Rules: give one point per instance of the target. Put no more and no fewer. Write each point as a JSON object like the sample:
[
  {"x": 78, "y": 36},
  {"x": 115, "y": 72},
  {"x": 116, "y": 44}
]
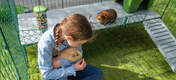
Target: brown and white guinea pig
[
  {"x": 72, "y": 54},
  {"x": 106, "y": 16}
]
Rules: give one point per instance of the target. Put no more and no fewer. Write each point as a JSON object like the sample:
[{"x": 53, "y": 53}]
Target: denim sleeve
[
  {"x": 80, "y": 49},
  {"x": 46, "y": 48}
]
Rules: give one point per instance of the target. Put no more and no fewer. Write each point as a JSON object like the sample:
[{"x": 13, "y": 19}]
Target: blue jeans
[{"x": 89, "y": 73}]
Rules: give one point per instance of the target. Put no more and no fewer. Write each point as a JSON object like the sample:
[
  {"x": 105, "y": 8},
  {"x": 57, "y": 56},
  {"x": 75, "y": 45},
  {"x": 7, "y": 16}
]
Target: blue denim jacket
[{"x": 46, "y": 49}]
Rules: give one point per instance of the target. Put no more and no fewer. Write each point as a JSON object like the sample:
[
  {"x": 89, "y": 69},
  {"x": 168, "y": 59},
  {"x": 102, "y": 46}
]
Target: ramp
[{"x": 163, "y": 39}]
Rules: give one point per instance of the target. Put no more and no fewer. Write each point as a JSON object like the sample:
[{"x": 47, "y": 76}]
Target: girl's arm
[{"x": 45, "y": 52}]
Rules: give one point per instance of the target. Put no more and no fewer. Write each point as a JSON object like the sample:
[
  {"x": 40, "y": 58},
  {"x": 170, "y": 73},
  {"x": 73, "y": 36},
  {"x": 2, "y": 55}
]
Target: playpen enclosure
[{"x": 13, "y": 63}]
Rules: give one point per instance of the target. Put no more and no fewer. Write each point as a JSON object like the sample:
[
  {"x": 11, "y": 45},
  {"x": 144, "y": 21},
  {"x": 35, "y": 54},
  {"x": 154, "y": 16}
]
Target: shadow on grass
[
  {"x": 114, "y": 73},
  {"x": 119, "y": 41},
  {"x": 114, "y": 46}
]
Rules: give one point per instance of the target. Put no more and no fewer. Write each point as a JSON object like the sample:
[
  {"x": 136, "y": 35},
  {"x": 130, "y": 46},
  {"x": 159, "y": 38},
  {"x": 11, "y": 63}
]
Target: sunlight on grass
[
  {"x": 108, "y": 66},
  {"x": 33, "y": 64},
  {"x": 124, "y": 52}
]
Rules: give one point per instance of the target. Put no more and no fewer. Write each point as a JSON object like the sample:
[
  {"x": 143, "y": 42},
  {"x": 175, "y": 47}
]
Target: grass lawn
[
  {"x": 20, "y": 9},
  {"x": 123, "y": 53}
]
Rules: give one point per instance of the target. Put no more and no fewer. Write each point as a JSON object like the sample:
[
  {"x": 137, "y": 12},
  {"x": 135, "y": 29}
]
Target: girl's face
[{"x": 73, "y": 43}]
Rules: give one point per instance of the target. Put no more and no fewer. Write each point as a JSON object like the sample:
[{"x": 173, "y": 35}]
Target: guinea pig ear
[
  {"x": 102, "y": 16},
  {"x": 98, "y": 13},
  {"x": 79, "y": 52}
]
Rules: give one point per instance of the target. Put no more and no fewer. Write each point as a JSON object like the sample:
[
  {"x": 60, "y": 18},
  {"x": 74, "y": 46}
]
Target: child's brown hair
[{"x": 75, "y": 25}]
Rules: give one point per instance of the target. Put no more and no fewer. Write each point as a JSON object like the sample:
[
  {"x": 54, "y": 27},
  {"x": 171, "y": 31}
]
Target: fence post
[{"x": 62, "y": 4}]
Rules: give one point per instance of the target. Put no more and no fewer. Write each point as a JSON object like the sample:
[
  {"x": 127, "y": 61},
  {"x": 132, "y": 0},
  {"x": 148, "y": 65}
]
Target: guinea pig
[
  {"x": 106, "y": 16},
  {"x": 72, "y": 54}
]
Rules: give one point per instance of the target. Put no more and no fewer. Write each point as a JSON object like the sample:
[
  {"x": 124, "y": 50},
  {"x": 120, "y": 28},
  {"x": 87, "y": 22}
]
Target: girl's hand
[
  {"x": 80, "y": 65},
  {"x": 56, "y": 63}
]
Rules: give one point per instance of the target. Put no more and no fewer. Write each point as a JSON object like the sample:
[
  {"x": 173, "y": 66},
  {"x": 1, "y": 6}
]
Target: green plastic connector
[
  {"x": 131, "y": 5},
  {"x": 150, "y": 4}
]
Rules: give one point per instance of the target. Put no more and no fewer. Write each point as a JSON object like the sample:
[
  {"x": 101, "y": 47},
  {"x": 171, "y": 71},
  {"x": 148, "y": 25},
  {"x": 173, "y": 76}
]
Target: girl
[{"x": 73, "y": 31}]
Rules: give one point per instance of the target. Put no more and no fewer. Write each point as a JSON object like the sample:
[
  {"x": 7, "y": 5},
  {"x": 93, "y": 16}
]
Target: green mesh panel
[
  {"x": 167, "y": 9},
  {"x": 7, "y": 66},
  {"x": 13, "y": 61},
  {"x": 169, "y": 17}
]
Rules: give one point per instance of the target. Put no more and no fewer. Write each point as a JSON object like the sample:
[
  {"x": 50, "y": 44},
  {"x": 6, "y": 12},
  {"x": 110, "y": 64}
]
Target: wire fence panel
[
  {"x": 8, "y": 69},
  {"x": 13, "y": 61},
  {"x": 167, "y": 10},
  {"x": 55, "y": 4},
  {"x": 169, "y": 17}
]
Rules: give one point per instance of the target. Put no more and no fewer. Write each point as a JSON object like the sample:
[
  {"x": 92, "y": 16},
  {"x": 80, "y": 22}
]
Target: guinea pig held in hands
[
  {"x": 107, "y": 16},
  {"x": 72, "y": 54}
]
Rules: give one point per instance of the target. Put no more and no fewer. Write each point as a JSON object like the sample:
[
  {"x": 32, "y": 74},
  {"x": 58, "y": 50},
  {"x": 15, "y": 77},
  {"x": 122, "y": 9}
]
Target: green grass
[
  {"x": 5, "y": 11},
  {"x": 123, "y": 53},
  {"x": 127, "y": 53},
  {"x": 20, "y": 9},
  {"x": 33, "y": 64}
]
